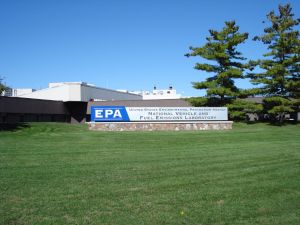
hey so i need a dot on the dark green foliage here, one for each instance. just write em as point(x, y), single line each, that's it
point(281, 77)
point(204, 101)
point(239, 109)
point(227, 62)
point(2, 86)
point(198, 101)
point(277, 107)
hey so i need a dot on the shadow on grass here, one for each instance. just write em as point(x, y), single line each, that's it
point(270, 123)
point(13, 126)
point(282, 124)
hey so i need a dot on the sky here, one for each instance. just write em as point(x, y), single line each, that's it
point(120, 44)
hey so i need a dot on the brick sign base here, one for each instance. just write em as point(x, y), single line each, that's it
point(160, 126)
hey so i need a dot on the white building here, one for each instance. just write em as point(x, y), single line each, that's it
point(15, 92)
point(169, 93)
point(79, 91)
point(21, 91)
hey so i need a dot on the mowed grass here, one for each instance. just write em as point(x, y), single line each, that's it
point(65, 174)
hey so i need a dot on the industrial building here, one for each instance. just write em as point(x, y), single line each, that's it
point(78, 92)
point(169, 93)
point(15, 92)
point(70, 102)
point(18, 110)
point(82, 91)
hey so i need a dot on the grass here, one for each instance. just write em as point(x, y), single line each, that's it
point(65, 174)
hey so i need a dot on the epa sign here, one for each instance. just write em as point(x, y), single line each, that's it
point(109, 113)
point(126, 114)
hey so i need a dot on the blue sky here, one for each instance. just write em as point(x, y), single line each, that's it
point(119, 44)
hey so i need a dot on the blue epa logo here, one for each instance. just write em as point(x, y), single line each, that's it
point(108, 113)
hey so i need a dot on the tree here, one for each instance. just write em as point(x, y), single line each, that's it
point(280, 78)
point(241, 109)
point(2, 86)
point(226, 63)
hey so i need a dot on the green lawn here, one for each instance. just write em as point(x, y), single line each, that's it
point(65, 174)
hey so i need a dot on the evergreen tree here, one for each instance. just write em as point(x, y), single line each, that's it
point(241, 109)
point(280, 78)
point(226, 64)
point(2, 86)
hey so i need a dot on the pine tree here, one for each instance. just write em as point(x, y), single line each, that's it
point(226, 63)
point(281, 77)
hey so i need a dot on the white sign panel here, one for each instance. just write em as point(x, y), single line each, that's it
point(125, 114)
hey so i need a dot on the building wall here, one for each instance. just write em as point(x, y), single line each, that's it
point(88, 93)
point(158, 94)
point(15, 110)
point(21, 91)
point(71, 92)
point(162, 94)
point(59, 93)
point(24, 105)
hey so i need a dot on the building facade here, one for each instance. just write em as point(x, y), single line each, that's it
point(78, 92)
point(157, 94)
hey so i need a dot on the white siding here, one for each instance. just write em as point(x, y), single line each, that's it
point(60, 93)
point(88, 92)
point(79, 92)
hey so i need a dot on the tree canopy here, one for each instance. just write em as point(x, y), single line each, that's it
point(280, 79)
point(281, 66)
point(226, 62)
